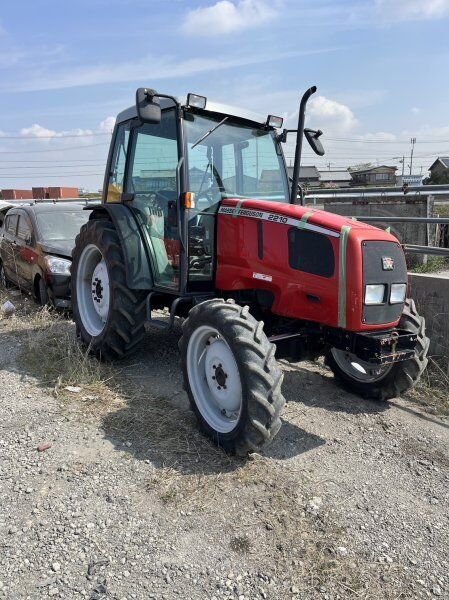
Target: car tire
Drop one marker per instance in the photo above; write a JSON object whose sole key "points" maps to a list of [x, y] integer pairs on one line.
{"points": [[4, 281], [42, 290]]}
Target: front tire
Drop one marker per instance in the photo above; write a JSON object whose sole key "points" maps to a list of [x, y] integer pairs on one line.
{"points": [[231, 376], [4, 281], [383, 383], [109, 316]]}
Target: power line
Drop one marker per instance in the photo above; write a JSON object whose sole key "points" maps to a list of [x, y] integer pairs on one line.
{"points": [[56, 136], [53, 149], [43, 175]]}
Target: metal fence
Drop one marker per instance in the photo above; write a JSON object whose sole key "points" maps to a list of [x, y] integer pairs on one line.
{"points": [[411, 248]]}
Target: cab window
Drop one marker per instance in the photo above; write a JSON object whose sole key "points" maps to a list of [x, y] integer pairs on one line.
{"points": [[118, 163]]}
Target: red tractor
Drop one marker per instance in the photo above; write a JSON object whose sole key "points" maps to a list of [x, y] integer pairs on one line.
{"points": [[198, 216]]}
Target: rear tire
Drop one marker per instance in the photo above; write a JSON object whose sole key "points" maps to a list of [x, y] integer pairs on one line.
{"points": [[399, 377], [109, 316], [231, 376]]}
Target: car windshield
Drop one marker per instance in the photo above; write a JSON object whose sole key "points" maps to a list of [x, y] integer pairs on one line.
{"points": [[234, 161], [60, 224]]}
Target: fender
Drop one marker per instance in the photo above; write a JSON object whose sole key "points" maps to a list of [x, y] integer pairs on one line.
{"points": [[137, 261]]}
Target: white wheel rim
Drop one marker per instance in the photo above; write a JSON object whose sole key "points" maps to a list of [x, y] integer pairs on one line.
{"points": [[360, 370], [214, 379], [92, 290]]}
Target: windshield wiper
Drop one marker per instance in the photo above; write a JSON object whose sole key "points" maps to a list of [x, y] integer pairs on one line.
{"points": [[203, 137]]}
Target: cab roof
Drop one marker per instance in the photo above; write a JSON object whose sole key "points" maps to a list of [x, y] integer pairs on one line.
{"points": [[211, 107]]}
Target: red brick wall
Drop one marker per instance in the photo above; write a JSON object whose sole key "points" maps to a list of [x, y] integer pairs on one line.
{"points": [[17, 194]]}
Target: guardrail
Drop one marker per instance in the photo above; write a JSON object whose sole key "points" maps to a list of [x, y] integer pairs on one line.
{"points": [[411, 248]]}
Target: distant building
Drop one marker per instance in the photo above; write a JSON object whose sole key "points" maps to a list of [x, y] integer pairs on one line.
{"points": [[17, 194], [54, 193], [440, 166], [382, 175], [335, 179], [307, 175]]}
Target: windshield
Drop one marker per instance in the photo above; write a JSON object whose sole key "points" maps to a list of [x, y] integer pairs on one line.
{"points": [[234, 161], [61, 225]]}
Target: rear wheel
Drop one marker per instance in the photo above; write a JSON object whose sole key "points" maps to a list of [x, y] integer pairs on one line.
{"points": [[109, 317], [231, 376], [389, 381]]}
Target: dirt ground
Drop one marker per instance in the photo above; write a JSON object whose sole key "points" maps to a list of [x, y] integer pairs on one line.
{"points": [[129, 501]]}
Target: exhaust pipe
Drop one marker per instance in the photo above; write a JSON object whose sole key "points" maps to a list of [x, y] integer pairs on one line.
{"points": [[298, 151]]}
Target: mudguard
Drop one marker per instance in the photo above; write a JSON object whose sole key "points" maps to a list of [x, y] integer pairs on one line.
{"points": [[137, 262]]}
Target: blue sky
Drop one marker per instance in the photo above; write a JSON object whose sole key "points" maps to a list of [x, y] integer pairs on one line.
{"points": [[67, 68]]}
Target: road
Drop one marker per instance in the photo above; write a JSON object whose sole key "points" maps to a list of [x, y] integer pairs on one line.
{"points": [[130, 501]]}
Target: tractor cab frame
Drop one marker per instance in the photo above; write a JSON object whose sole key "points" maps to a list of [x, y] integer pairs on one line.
{"points": [[173, 174]]}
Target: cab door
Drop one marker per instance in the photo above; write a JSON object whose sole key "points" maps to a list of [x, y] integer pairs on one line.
{"points": [[151, 190]]}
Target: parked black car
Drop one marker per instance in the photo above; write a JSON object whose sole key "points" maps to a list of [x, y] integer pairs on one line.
{"points": [[36, 243]]}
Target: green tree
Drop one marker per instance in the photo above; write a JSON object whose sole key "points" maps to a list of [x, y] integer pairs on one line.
{"points": [[437, 178]]}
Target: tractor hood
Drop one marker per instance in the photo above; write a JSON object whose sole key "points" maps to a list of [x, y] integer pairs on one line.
{"points": [[295, 215]]}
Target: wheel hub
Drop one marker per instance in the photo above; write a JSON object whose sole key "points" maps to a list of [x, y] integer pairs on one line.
{"points": [[100, 290], [220, 376]]}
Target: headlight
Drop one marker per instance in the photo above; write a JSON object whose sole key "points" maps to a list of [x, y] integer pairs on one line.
{"points": [[374, 294], [397, 294], [59, 266]]}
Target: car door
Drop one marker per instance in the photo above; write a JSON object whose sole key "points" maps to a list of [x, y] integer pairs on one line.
{"points": [[26, 256], [9, 247]]}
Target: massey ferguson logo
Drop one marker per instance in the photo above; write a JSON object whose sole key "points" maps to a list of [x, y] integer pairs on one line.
{"points": [[387, 263]]}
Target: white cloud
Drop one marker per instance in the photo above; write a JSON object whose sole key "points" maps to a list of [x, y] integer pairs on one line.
{"points": [[228, 17], [403, 10], [108, 124], [331, 116], [37, 131], [415, 110], [150, 68]]}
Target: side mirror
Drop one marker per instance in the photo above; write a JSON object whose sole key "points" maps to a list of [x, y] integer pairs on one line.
{"points": [[312, 137], [148, 107]]}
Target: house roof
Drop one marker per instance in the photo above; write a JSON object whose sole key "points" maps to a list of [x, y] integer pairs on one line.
{"points": [[444, 160], [342, 175], [306, 172], [368, 169]]}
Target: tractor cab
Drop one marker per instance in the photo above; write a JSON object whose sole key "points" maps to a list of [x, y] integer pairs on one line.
{"points": [[174, 169]]}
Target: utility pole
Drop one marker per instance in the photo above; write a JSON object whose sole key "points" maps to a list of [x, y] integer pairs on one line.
{"points": [[413, 142], [403, 165]]}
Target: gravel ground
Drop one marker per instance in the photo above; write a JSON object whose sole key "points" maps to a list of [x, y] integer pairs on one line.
{"points": [[129, 501]]}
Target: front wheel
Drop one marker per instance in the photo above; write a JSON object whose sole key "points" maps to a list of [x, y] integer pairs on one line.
{"points": [[231, 376], [4, 282], [377, 382], [109, 316]]}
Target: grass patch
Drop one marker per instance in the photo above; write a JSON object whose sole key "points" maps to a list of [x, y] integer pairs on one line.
{"points": [[51, 353], [432, 391], [434, 265]]}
